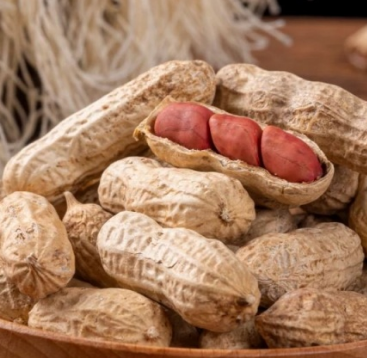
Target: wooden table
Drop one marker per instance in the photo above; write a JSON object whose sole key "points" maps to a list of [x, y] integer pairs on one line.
{"points": [[317, 52]]}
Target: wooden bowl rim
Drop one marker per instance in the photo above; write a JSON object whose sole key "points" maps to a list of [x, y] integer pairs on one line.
{"points": [[173, 351]]}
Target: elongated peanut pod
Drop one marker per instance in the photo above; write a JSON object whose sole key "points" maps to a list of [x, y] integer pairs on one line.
{"points": [[199, 278], [84, 144]]}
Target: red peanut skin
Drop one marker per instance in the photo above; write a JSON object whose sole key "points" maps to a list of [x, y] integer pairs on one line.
{"points": [[186, 124], [236, 137], [288, 157]]}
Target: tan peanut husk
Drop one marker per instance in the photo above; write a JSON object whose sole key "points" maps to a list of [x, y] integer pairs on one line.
{"points": [[35, 251], [14, 305], [339, 194], [244, 336], [330, 116], [80, 147], [212, 204], [199, 278], [312, 317], [327, 256], [111, 314], [264, 187], [358, 212], [355, 47], [83, 223]]}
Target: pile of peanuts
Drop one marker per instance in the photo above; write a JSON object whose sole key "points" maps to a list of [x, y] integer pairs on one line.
{"points": [[196, 209]]}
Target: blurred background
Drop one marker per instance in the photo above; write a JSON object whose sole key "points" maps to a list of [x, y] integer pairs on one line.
{"points": [[57, 56]]}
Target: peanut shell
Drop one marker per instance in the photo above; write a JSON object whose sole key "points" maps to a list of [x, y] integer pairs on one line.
{"points": [[111, 314], [311, 317], [212, 204], [264, 187], [80, 147], [199, 278], [83, 223], [35, 250], [328, 256], [330, 116]]}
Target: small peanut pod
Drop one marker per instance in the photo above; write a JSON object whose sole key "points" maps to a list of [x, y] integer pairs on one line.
{"points": [[83, 223], [14, 305], [111, 314], [339, 194], [84, 144], [260, 183], [328, 256], [212, 204], [35, 250], [311, 317], [330, 116], [358, 212], [199, 278], [243, 337]]}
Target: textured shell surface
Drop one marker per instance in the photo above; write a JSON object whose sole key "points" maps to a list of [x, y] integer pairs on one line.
{"points": [[243, 337], [332, 117], [271, 221], [338, 196], [199, 278], [311, 317], [84, 144], [358, 212], [210, 203], [266, 189], [327, 256], [14, 305], [112, 314], [83, 223], [36, 253]]}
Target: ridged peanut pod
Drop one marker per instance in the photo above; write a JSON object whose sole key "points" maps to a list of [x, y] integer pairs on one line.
{"points": [[311, 317], [212, 204], [339, 194], [36, 253], [83, 223], [243, 337], [358, 212], [328, 256], [111, 314], [332, 117], [199, 278], [84, 144], [14, 305], [266, 189]]}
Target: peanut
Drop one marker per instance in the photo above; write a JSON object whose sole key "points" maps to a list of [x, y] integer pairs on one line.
{"points": [[236, 137], [186, 124], [34, 248], [199, 278], [288, 157], [84, 144], [329, 115], [356, 48], [14, 305], [358, 212], [111, 314], [263, 187], [339, 195], [212, 204], [243, 337], [82, 223], [328, 256], [311, 317]]}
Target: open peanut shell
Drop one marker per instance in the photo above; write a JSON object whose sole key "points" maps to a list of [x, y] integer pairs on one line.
{"points": [[265, 188]]}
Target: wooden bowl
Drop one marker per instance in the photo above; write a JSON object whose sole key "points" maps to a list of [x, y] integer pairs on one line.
{"points": [[18, 341]]}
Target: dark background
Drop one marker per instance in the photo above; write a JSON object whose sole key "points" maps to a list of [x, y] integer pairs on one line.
{"points": [[339, 8]]}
